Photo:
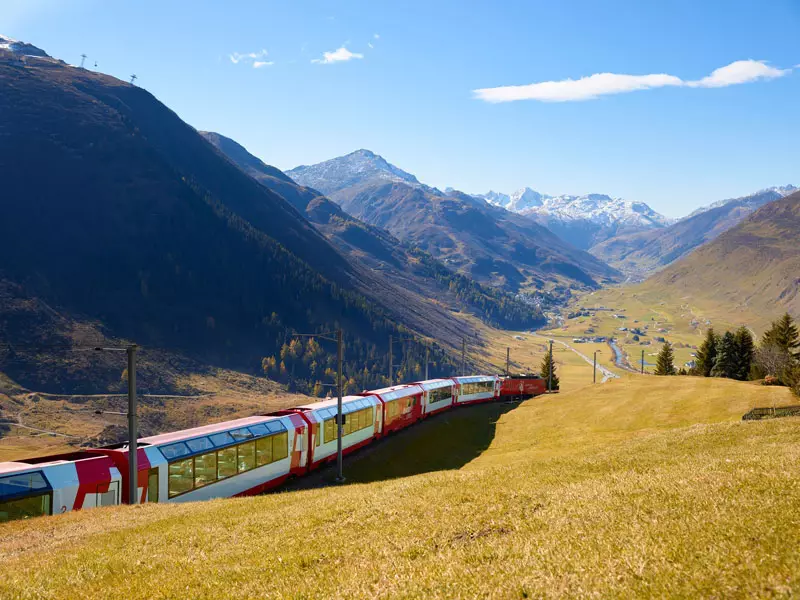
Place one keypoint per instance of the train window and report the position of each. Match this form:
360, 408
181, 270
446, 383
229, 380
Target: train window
259, 430
392, 409
264, 451
152, 485
175, 450
200, 444
316, 434
329, 430
181, 477
241, 434
247, 456
226, 462
280, 446
205, 469
12, 485
369, 417
275, 426
221, 439
25, 508
440, 394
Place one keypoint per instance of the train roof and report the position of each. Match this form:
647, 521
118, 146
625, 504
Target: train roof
185, 434
433, 384
397, 391
476, 378
42, 462
351, 402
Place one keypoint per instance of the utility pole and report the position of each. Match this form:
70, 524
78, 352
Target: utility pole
339, 416
550, 369
642, 362
508, 361
83, 59
133, 79
427, 360
463, 356
391, 375
133, 435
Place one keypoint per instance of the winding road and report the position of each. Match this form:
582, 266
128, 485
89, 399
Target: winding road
606, 372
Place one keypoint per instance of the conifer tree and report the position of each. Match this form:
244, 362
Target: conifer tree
548, 365
784, 335
707, 354
745, 350
725, 365
665, 362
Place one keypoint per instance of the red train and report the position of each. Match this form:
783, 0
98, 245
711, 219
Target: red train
241, 457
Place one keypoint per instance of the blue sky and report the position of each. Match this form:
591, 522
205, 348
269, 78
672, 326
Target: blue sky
399, 78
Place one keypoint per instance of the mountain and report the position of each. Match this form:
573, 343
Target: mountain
753, 201
752, 269
118, 213
21, 48
581, 220
484, 242
420, 286
346, 171
640, 253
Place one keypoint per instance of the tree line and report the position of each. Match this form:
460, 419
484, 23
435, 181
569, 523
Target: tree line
735, 355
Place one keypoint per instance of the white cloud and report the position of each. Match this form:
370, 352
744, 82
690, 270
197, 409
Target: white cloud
602, 84
340, 55
741, 71
370, 45
257, 59
376, 36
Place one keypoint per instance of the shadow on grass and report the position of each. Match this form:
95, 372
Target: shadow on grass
442, 442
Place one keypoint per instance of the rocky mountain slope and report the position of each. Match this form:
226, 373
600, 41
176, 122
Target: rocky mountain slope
752, 269
640, 253
118, 213
484, 242
583, 221
423, 288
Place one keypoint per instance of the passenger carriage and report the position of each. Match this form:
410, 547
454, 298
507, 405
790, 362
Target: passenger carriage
402, 406
236, 458
477, 388
363, 422
57, 484
438, 395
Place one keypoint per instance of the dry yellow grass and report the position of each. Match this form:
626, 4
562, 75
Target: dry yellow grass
640, 487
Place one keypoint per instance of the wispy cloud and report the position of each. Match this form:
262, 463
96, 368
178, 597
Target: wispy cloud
257, 60
376, 36
340, 55
602, 84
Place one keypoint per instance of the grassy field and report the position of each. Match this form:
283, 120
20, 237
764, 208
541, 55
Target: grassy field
678, 321
641, 486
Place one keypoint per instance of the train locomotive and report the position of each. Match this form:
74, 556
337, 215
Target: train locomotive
242, 457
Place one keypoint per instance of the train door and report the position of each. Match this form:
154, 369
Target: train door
110, 497
152, 485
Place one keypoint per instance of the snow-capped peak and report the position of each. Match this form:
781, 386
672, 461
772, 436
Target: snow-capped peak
597, 208
21, 48
351, 169
524, 199
755, 199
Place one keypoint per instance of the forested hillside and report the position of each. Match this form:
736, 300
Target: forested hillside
118, 212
